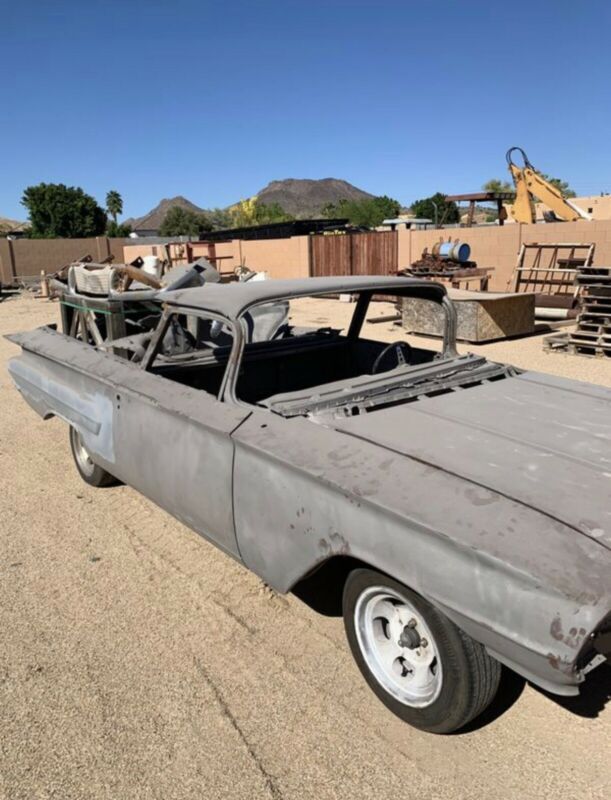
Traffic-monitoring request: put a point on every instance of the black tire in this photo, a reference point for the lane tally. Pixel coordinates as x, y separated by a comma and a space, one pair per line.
468, 679
89, 471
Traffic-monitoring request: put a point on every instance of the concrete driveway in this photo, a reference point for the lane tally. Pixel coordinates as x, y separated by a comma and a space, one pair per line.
136, 661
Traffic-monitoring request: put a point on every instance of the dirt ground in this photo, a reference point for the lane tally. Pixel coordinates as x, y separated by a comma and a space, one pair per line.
137, 661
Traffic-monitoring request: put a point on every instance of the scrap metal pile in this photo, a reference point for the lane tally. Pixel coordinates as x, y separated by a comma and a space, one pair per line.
444, 260
109, 305
141, 279
118, 307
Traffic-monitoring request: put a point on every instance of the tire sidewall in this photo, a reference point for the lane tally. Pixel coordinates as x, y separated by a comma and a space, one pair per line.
448, 710
98, 476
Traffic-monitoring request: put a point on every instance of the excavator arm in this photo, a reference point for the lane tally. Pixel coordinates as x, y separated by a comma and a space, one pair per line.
531, 184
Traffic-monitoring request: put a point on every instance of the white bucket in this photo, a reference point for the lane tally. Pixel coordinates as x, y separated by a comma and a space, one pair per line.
151, 265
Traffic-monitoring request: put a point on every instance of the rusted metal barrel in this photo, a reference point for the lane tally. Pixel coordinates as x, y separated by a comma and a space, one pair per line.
457, 251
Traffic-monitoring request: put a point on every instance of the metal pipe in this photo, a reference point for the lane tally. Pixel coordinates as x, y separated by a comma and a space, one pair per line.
542, 312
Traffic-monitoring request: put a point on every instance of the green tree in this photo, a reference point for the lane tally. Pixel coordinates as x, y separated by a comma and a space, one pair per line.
219, 218
436, 208
116, 230
367, 213
114, 204
497, 185
182, 222
562, 186
250, 212
56, 210
267, 213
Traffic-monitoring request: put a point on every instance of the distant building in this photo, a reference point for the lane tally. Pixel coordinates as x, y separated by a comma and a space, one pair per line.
597, 205
410, 223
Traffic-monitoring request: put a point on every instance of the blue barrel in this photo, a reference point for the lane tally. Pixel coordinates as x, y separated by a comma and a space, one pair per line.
458, 251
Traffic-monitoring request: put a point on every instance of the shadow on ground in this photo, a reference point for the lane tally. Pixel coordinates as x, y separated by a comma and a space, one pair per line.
590, 702
594, 695
322, 592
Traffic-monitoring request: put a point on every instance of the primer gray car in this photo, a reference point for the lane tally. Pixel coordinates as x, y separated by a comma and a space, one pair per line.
460, 510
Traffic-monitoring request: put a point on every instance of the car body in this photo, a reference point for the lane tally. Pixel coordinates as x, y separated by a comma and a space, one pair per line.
484, 489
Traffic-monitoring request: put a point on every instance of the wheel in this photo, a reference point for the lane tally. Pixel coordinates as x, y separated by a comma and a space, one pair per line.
420, 665
89, 471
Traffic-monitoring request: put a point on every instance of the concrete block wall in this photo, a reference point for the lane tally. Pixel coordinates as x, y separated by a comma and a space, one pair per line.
280, 258
491, 246
27, 258
498, 247
598, 232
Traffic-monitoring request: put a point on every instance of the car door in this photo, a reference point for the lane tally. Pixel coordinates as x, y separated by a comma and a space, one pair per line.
174, 444
169, 441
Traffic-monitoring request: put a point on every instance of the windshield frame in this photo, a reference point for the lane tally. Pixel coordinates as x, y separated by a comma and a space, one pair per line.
365, 297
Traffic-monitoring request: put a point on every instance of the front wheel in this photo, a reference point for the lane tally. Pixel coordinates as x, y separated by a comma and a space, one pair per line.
89, 471
419, 664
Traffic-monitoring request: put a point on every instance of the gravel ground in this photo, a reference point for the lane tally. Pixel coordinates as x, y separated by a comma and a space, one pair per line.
527, 353
139, 662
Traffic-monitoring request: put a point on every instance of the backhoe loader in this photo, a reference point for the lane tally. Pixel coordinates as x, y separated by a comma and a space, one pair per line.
531, 184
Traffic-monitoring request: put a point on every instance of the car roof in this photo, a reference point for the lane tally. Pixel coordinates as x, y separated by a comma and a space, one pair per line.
233, 299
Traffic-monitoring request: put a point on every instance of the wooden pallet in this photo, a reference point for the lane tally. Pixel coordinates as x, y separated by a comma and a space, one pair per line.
562, 343
592, 336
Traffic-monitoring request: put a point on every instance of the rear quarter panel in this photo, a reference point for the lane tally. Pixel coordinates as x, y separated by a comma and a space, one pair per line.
80, 399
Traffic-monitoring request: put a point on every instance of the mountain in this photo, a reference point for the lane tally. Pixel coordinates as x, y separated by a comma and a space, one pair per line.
299, 197
8, 225
152, 221
305, 198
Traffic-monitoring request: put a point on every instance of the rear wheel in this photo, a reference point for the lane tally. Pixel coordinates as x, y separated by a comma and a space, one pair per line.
89, 471
420, 665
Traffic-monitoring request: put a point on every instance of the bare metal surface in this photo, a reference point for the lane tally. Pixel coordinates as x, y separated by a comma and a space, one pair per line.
403, 383
119, 674
489, 465
235, 298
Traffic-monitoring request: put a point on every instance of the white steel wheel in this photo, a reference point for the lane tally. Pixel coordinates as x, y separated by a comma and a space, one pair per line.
398, 646
81, 455
424, 668
89, 471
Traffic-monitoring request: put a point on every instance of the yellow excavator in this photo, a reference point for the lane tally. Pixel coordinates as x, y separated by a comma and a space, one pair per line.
531, 184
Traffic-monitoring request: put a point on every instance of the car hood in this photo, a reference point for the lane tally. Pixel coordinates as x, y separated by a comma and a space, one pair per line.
542, 441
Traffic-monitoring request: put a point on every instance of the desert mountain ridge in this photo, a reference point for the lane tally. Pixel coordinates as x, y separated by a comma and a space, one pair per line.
300, 197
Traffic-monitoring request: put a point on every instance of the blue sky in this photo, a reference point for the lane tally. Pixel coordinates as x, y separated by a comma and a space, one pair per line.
213, 100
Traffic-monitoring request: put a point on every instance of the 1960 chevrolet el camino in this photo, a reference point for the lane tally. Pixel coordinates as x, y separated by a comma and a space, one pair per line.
460, 509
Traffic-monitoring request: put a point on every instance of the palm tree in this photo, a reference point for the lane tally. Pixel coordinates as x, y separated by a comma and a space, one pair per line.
114, 204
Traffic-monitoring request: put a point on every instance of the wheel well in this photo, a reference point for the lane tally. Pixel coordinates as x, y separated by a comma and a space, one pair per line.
322, 588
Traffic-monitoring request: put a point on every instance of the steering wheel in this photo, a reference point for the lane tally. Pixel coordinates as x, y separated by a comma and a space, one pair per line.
403, 353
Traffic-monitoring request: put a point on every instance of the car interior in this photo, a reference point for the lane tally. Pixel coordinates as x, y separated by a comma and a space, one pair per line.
292, 360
